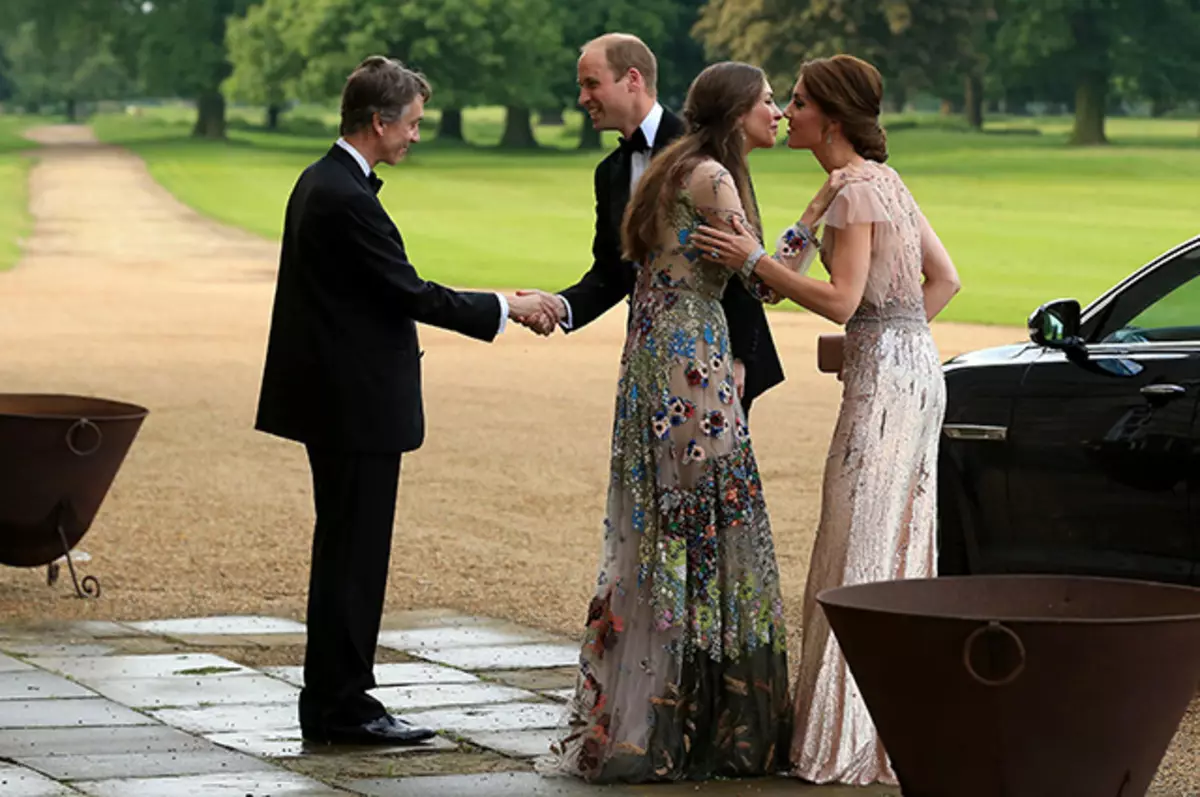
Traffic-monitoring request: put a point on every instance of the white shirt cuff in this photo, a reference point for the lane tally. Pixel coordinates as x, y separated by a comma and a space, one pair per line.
569, 321
503, 314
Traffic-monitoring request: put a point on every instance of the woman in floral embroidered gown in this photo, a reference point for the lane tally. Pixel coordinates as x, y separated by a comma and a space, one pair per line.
878, 507
683, 673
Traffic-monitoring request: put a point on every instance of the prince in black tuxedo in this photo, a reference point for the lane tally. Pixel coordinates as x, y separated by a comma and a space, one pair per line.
617, 74
342, 376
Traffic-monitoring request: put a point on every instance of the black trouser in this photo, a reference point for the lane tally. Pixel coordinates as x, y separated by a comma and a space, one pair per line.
355, 497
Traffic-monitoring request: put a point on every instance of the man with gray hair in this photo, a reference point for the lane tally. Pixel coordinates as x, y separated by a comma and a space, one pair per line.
342, 376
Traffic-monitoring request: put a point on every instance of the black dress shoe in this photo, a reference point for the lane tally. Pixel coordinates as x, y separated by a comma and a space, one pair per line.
383, 730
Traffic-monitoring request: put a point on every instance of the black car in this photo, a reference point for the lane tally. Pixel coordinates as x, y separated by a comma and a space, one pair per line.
1078, 452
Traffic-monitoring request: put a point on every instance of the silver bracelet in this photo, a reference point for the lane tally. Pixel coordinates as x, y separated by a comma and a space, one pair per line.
808, 235
752, 261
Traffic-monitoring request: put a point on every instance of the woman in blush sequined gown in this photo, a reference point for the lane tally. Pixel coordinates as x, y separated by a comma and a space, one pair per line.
683, 672
878, 506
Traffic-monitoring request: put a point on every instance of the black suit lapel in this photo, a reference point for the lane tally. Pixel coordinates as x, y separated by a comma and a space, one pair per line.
346, 159
669, 129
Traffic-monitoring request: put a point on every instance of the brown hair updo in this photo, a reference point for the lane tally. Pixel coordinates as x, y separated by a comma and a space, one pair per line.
850, 91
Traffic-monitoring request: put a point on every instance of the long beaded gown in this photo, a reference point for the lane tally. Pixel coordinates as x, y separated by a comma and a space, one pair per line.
683, 672
878, 507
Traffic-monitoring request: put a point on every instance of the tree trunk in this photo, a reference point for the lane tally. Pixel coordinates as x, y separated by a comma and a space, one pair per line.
210, 115
450, 127
518, 132
1090, 94
899, 97
1159, 106
973, 101
551, 117
273, 113
72, 111
589, 137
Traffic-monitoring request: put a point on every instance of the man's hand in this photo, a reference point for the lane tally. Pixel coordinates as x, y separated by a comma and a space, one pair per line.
739, 377
552, 310
537, 310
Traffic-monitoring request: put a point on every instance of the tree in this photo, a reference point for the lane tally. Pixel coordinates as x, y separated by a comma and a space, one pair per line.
264, 67
472, 51
1094, 42
67, 53
183, 54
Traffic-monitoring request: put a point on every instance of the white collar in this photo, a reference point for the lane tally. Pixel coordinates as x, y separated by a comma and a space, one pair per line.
650, 124
358, 157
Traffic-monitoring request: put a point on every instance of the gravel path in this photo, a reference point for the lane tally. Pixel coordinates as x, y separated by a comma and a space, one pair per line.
127, 294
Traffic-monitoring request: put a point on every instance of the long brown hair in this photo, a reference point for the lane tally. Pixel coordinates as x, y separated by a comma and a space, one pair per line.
850, 91
717, 99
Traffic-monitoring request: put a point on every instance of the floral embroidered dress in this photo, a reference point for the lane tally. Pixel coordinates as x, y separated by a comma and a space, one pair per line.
683, 673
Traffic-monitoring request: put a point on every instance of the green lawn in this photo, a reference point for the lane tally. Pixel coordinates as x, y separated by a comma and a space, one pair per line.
1025, 218
14, 187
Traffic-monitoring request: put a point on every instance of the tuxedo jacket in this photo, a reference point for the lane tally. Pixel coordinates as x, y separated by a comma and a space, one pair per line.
611, 278
343, 366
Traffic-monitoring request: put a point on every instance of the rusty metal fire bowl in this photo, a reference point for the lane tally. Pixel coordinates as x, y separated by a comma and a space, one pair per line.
58, 457
1021, 686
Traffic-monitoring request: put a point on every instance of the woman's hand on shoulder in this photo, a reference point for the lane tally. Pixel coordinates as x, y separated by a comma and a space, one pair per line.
837, 180
730, 249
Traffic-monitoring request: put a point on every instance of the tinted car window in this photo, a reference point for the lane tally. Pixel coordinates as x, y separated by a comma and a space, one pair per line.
1162, 307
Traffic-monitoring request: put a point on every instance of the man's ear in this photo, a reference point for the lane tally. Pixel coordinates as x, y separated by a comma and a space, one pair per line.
377, 124
635, 79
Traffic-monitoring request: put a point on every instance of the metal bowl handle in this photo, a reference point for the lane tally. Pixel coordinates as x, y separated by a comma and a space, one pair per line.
72, 433
994, 627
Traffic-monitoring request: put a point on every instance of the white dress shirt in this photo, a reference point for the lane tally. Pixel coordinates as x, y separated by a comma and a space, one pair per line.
638, 163
366, 167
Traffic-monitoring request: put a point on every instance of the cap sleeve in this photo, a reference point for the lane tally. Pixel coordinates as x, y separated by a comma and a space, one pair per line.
856, 203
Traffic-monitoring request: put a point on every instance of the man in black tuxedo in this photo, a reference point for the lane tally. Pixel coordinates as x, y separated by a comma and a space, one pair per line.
617, 87
342, 376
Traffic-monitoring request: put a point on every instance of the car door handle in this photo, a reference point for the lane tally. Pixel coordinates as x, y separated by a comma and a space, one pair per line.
1163, 390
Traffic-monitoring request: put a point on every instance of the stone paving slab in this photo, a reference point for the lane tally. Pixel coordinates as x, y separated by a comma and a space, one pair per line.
222, 626
415, 640
431, 618
92, 669
500, 784
282, 744
517, 744
9, 664
66, 631
18, 781
404, 699
229, 719
67, 713
39, 685
399, 674
503, 717
505, 657
140, 765
197, 691
38, 649
272, 782
538, 680
44, 742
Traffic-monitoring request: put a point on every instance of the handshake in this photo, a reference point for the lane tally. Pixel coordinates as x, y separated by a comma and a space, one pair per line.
537, 310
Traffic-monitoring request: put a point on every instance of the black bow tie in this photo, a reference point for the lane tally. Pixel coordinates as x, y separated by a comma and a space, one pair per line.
375, 182
635, 143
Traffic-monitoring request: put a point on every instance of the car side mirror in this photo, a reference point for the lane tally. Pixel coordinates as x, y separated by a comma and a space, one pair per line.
1056, 325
